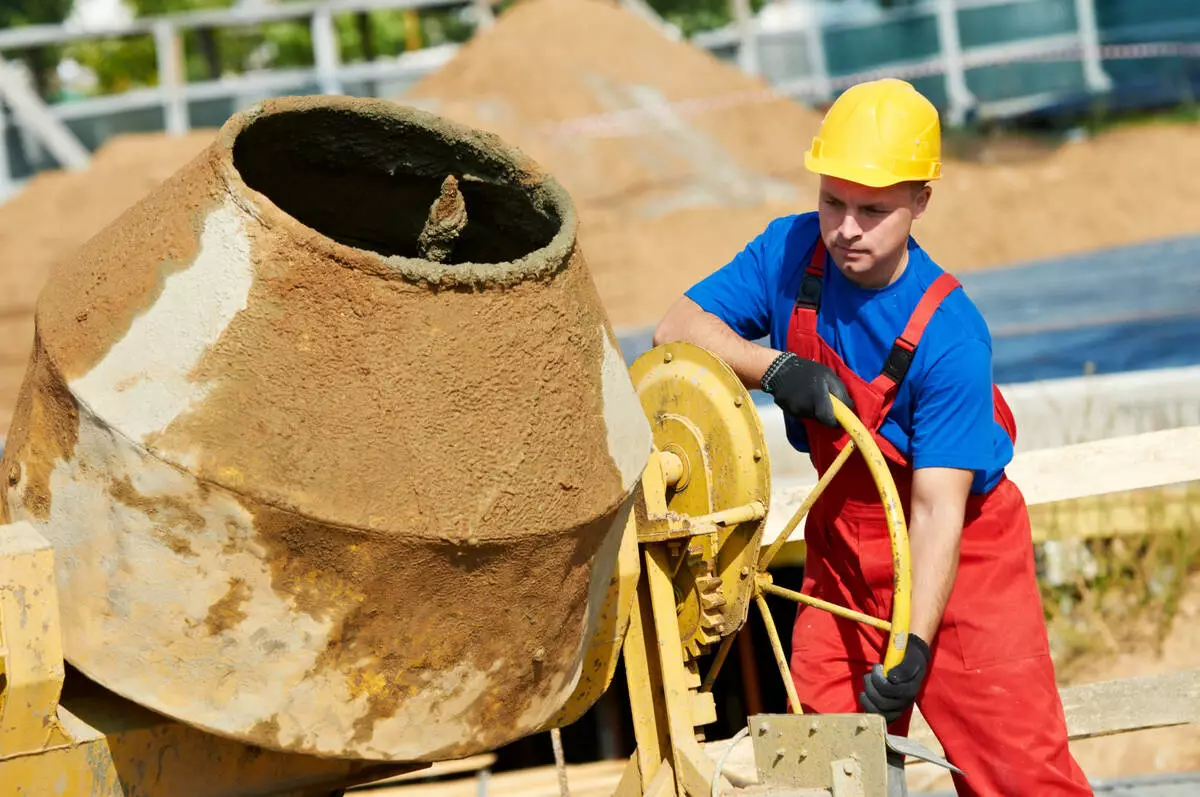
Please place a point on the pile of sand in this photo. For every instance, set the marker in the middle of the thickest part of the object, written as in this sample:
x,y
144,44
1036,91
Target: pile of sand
x,y
664,193
549,67
57,212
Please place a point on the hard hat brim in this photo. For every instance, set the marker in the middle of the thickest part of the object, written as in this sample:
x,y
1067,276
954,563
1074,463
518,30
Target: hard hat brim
x,y
871,176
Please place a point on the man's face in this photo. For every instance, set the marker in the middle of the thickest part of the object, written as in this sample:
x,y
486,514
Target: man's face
x,y
866,229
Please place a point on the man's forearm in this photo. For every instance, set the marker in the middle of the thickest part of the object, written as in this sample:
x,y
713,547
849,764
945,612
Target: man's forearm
x,y
687,322
934,543
934,536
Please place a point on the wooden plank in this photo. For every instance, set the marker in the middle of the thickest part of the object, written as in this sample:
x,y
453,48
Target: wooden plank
x,y
1132,704
1055,475
1119,464
596,778
439,769
1107,708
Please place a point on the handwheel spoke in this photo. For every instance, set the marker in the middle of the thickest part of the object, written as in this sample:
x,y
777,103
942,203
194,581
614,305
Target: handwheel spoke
x,y
715,669
765,561
784,671
832,608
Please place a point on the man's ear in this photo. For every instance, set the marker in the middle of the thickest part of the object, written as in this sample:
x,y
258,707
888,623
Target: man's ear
x,y
921,200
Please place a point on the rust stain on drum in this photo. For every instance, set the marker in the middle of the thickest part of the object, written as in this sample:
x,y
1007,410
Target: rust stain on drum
x,y
44,431
227,612
170,514
412,608
265,732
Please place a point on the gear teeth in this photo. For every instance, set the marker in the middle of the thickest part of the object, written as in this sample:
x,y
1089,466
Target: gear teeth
x,y
711,600
710,623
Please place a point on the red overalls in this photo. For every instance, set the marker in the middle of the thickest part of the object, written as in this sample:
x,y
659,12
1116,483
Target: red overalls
x,y
989,693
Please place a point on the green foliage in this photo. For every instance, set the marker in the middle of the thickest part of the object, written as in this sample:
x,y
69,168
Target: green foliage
x,y
40,60
33,12
694,16
119,64
211,53
122,64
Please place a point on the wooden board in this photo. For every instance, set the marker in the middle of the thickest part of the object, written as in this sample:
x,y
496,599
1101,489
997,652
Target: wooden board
x,y
439,769
597,779
1101,467
1056,475
1106,708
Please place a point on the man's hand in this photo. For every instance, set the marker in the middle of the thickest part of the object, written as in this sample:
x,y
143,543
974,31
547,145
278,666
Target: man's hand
x,y
802,388
891,695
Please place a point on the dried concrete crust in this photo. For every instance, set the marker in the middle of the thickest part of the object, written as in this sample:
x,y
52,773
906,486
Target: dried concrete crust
x,y
489,159
325,497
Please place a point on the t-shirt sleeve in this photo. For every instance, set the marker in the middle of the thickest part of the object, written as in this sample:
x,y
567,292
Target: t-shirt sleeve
x,y
953,412
738,293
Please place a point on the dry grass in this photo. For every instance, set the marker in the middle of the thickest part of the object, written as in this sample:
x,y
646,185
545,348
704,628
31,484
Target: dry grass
x,y
1117,594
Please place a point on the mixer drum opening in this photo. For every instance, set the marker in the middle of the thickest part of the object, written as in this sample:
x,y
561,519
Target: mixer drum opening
x,y
369,181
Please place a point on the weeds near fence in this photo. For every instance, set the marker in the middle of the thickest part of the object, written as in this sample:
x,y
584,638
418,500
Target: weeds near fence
x,y
1118,592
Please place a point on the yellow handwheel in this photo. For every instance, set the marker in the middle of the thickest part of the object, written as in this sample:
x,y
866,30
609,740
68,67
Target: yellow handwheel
x,y
708,473
893,511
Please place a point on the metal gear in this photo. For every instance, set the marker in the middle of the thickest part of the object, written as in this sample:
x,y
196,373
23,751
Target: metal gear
x,y
699,600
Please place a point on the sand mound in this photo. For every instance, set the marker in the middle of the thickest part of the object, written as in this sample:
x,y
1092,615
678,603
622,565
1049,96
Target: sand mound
x,y
549,65
1132,184
664,193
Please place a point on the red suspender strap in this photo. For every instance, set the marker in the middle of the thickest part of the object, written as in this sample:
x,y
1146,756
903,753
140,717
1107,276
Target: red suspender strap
x,y
900,358
942,287
816,264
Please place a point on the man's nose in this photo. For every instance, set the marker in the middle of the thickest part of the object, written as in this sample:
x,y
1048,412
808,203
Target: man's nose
x,y
849,228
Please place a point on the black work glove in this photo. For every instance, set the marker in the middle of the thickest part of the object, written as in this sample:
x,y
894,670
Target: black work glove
x,y
802,387
892,694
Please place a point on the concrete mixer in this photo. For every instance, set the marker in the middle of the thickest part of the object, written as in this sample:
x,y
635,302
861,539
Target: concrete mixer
x,y
327,466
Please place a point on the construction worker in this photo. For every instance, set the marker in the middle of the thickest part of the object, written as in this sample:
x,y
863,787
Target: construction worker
x,y
854,308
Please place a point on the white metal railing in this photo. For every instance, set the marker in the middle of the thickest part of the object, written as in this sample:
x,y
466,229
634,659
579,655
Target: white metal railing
x,y
174,92
952,61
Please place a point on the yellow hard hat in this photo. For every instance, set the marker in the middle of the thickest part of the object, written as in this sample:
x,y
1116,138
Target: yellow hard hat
x,y
879,133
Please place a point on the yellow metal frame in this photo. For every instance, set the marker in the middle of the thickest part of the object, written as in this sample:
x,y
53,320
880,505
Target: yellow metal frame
x,y
668,699
60,734
707,498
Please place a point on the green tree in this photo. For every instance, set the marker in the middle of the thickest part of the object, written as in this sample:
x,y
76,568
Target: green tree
x,y
694,16
210,53
122,64
42,61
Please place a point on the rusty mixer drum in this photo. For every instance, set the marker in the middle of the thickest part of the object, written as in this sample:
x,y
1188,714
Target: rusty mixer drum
x,y
336,454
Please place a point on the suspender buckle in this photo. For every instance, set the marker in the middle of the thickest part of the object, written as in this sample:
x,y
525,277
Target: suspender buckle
x,y
899,360
810,292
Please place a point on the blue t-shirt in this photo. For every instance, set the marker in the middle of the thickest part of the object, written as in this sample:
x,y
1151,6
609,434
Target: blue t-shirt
x,y
943,415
